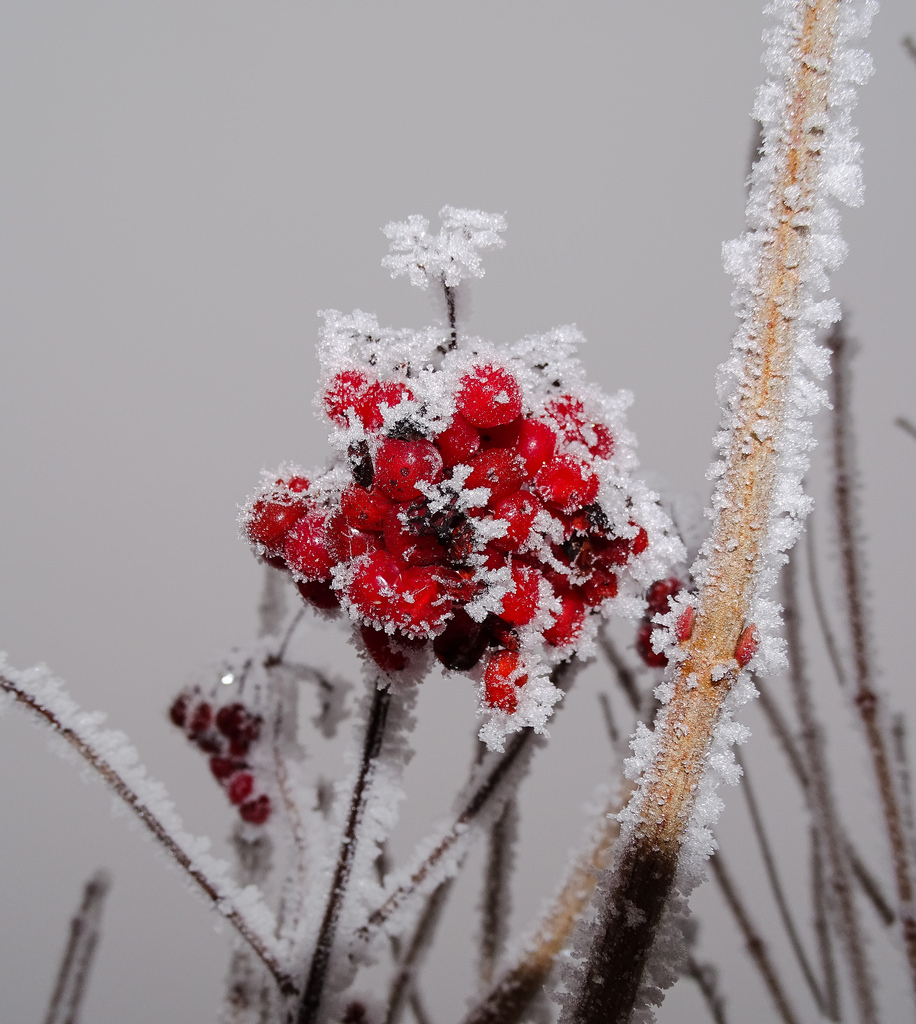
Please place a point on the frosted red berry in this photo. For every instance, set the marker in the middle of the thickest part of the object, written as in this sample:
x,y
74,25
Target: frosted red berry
x,y
411,547
271,518
521,604
567,626
344,393
365,510
379,646
518,511
257,811
600,586
401,465
346,542
379,396
567,483
506,435
458,442
536,444
374,587
489,396
502,678
500,470
306,549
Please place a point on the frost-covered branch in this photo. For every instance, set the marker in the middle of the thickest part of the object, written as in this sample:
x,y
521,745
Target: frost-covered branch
x,y
780,265
70,987
113,759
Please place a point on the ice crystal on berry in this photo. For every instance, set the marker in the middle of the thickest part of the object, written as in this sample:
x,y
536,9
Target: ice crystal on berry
x,y
482,507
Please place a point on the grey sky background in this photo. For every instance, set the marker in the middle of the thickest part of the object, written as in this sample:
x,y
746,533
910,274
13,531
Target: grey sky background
x,y
183,186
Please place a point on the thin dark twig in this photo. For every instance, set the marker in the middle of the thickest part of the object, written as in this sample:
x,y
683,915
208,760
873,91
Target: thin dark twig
x,y
755,945
910,46
902,757
783,734
625,675
372,745
867,698
402,986
706,978
610,724
821,901
823,806
820,606
870,887
70,987
221,900
779,896
418,1009
495,904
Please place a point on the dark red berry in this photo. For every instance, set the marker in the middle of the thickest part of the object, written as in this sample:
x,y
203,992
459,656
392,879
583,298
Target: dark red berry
x,y
500,470
374,588
600,586
489,396
256,811
346,542
343,394
654,659
178,712
378,645
306,547
504,436
425,603
318,594
240,787
201,718
521,605
222,767
567,626
503,676
535,445
567,483
461,645
403,543
660,593
458,442
401,465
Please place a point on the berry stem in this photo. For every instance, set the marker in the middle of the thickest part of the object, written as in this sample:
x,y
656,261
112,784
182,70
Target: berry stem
x,y
372,746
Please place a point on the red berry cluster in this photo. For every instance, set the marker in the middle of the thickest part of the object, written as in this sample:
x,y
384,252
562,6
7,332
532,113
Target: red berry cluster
x,y
226,734
472,533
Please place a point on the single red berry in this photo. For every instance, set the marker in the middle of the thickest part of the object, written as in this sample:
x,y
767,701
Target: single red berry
x,y
461,644
521,605
748,643
240,787
201,718
600,586
425,604
381,394
346,542
503,676
401,542
401,465
271,518
489,396
567,626
319,594
518,511
365,510
660,593
567,483
602,445
535,445
568,413
458,442
222,767
683,628
256,811
178,712
378,645
374,588
343,394
306,547
654,659
640,542
297,484
504,436
500,470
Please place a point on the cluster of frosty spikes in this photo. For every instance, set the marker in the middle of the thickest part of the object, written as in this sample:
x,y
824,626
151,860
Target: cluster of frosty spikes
x,y
482,509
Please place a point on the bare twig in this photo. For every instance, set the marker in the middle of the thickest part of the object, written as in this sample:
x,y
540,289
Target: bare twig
x,y
625,676
823,807
867,698
495,901
756,947
766,852
372,745
910,46
820,607
871,888
70,987
220,892
706,978
821,902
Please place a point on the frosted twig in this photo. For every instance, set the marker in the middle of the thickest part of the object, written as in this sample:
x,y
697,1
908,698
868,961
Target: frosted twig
x,y
820,608
495,899
402,985
706,978
44,698
372,745
821,901
756,947
782,906
867,699
70,987
758,503
823,808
